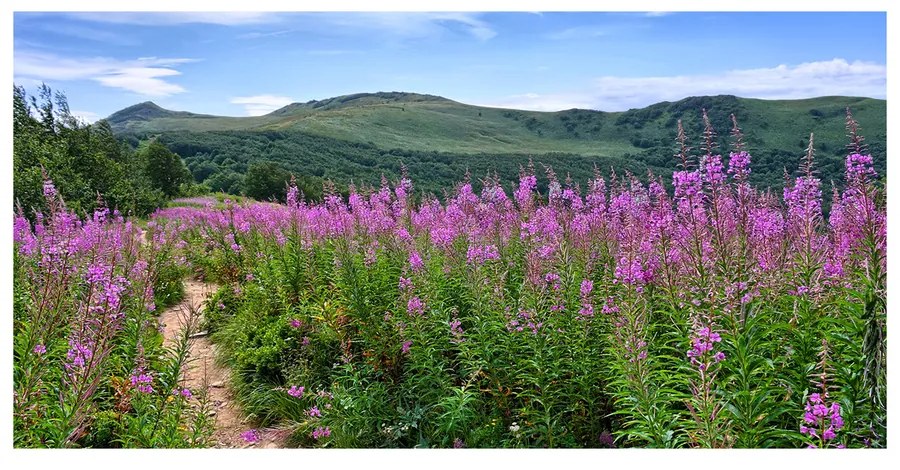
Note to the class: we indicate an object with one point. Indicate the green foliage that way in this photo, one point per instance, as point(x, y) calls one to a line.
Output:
point(266, 181)
point(492, 358)
point(164, 168)
point(226, 181)
point(87, 162)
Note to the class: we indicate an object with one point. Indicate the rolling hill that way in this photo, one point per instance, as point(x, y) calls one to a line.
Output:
point(358, 137)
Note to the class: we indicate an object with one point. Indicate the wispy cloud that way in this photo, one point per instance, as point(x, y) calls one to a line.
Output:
point(261, 34)
point(86, 116)
point(402, 25)
point(806, 80)
point(406, 25)
point(224, 18)
point(579, 32)
point(261, 104)
point(476, 27)
point(539, 102)
point(91, 34)
point(654, 14)
point(145, 76)
point(823, 78)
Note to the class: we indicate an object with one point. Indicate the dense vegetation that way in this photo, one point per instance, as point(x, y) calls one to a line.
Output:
point(615, 309)
point(92, 167)
point(89, 365)
point(359, 138)
point(719, 315)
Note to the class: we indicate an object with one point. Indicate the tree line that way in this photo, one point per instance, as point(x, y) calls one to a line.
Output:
point(89, 166)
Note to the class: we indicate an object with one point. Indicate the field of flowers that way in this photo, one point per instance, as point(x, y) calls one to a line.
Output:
point(615, 315)
point(89, 367)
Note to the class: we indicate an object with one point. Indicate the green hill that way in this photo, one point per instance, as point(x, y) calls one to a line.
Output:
point(358, 137)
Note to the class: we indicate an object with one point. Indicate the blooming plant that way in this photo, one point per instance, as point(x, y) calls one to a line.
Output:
point(821, 422)
point(86, 294)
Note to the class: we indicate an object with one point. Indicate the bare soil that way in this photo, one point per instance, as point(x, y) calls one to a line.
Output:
point(202, 372)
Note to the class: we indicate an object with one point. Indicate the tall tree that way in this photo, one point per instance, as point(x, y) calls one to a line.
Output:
point(165, 169)
point(266, 180)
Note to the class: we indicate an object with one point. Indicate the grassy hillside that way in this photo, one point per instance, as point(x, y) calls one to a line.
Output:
point(359, 137)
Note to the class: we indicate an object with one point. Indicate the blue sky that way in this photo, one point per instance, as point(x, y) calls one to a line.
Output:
point(251, 63)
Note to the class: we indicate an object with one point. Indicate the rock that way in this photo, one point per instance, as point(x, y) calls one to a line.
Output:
point(218, 384)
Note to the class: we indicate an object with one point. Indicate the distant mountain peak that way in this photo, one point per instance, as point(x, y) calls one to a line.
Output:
point(140, 112)
point(143, 112)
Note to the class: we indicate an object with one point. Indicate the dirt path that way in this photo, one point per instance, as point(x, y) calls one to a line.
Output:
point(203, 372)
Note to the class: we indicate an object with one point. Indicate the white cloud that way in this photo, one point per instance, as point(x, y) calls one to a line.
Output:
point(402, 25)
point(579, 32)
point(144, 76)
point(477, 28)
point(806, 80)
point(91, 34)
point(224, 18)
point(144, 80)
point(260, 34)
point(811, 79)
point(86, 116)
point(405, 25)
point(261, 104)
point(538, 102)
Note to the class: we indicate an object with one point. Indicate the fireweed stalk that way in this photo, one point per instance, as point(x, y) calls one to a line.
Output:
point(721, 205)
point(638, 386)
point(710, 429)
point(739, 170)
point(822, 421)
point(859, 231)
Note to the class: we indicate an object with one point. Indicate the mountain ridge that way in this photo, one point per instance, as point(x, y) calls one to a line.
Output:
point(369, 98)
point(413, 121)
point(361, 136)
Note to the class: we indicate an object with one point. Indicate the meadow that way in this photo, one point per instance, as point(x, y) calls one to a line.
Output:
point(617, 314)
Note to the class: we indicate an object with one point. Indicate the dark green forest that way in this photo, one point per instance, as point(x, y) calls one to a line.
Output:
point(220, 158)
